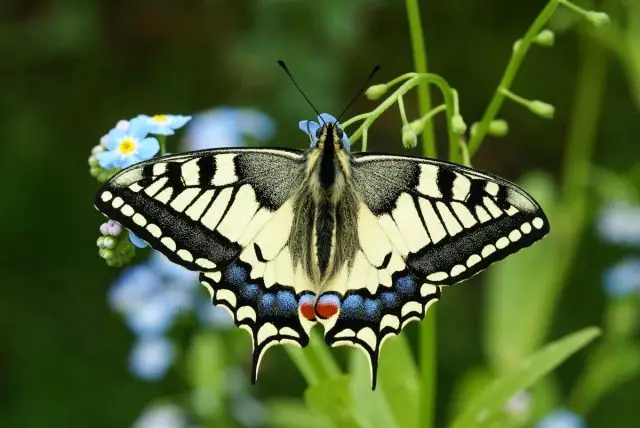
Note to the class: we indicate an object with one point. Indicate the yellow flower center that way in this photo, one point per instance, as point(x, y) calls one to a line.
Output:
point(160, 118)
point(127, 146)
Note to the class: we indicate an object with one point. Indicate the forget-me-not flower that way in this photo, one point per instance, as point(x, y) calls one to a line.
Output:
point(623, 278)
point(126, 147)
point(151, 357)
point(227, 127)
point(163, 416)
point(620, 223)
point(161, 124)
point(310, 127)
point(135, 240)
point(561, 418)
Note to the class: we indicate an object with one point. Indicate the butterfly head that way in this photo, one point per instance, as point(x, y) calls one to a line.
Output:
point(331, 133)
point(326, 129)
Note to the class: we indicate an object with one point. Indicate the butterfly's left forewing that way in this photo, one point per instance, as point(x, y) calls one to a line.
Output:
point(228, 214)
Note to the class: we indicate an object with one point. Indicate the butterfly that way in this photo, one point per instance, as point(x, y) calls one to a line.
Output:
point(361, 243)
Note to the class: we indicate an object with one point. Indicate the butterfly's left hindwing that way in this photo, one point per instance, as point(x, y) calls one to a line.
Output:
point(227, 213)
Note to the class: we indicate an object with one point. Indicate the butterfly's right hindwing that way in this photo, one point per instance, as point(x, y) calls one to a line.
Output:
point(200, 209)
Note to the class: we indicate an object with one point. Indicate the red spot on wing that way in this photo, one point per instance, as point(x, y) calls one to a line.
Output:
point(306, 308)
point(326, 309)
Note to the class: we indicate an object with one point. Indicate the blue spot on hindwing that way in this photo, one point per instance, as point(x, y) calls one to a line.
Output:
point(250, 291)
point(389, 299)
point(236, 275)
point(267, 304)
point(352, 306)
point(286, 302)
point(372, 309)
point(406, 285)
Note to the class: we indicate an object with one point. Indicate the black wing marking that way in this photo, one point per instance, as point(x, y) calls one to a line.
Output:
point(201, 208)
point(449, 222)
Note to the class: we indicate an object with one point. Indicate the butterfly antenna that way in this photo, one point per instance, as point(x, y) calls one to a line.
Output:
point(364, 87)
point(286, 70)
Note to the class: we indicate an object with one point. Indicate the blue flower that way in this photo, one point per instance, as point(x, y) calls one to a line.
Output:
point(161, 124)
point(163, 416)
point(151, 357)
point(126, 147)
point(214, 316)
point(135, 240)
point(623, 279)
point(561, 418)
point(227, 127)
point(620, 223)
point(310, 127)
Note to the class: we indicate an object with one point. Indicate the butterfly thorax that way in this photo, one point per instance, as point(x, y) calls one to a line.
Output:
point(326, 208)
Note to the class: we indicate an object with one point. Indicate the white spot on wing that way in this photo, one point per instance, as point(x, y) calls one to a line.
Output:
point(159, 168)
point(502, 242)
point(169, 243)
point(492, 207)
point(139, 220)
point(368, 336)
point(537, 223)
point(206, 264)
point(106, 196)
point(492, 188)
point(266, 331)
point(389, 321)
point(117, 202)
point(127, 210)
point(515, 235)
point(135, 187)
point(154, 230)
point(227, 296)
point(165, 195)
point(427, 289)
point(525, 228)
point(457, 270)
point(488, 250)
point(473, 260)
point(185, 255)
point(482, 214)
point(410, 307)
point(245, 312)
point(437, 276)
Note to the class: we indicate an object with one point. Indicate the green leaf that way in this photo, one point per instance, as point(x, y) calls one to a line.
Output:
point(492, 399)
point(521, 297)
point(370, 407)
point(613, 364)
point(206, 361)
point(294, 414)
point(332, 398)
point(398, 380)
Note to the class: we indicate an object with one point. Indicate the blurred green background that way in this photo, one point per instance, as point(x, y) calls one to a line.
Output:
point(70, 69)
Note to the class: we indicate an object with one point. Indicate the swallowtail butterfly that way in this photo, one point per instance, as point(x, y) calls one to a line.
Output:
point(359, 242)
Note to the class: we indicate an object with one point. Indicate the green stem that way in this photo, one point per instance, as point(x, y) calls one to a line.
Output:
point(420, 60)
point(427, 341)
point(509, 75)
point(314, 362)
point(447, 94)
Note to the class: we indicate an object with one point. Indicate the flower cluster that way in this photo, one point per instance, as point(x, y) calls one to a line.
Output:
point(619, 223)
point(310, 127)
point(152, 297)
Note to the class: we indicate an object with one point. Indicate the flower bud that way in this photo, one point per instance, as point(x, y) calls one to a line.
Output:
point(599, 19)
point(409, 138)
point(542, 109)
point(545, 38)
point(93, 161)
point(376, 91)
point(458, 125)
point(498, 128)
point(516, 45)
